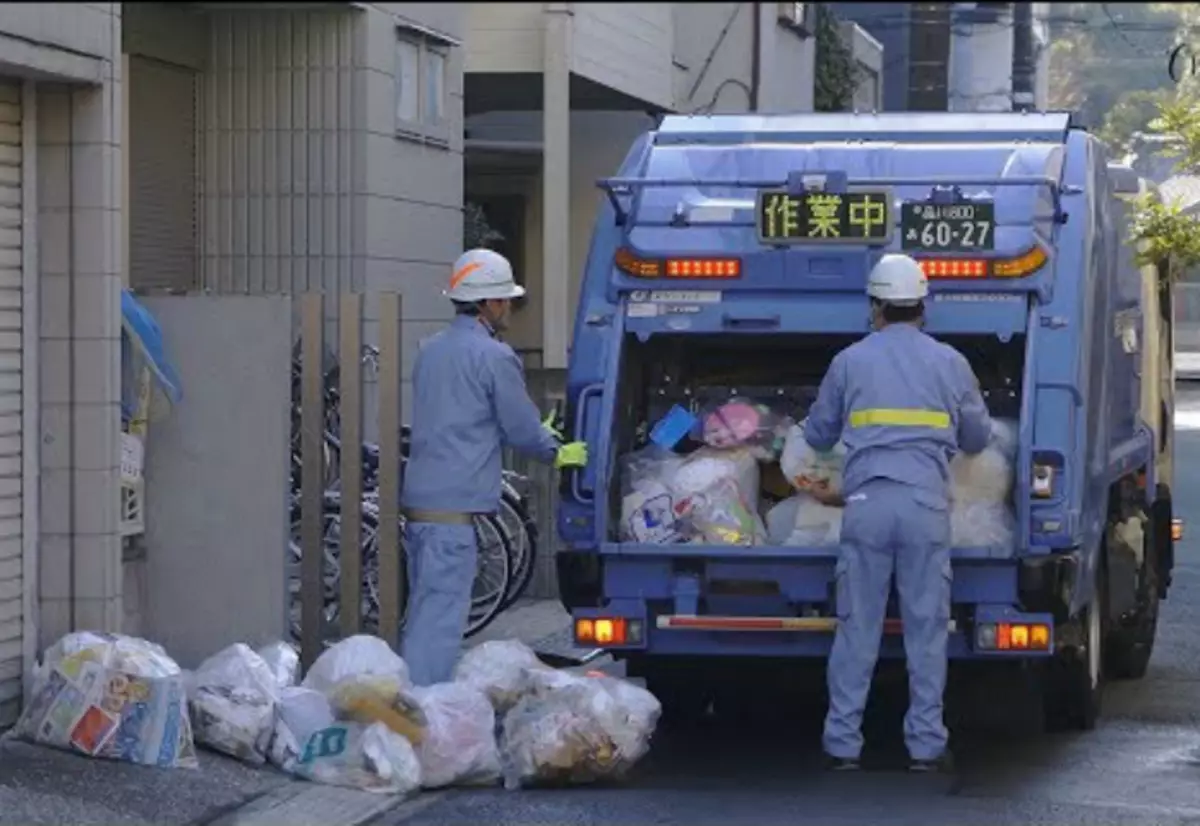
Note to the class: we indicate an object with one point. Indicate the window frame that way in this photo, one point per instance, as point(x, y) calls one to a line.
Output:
point(435, 132)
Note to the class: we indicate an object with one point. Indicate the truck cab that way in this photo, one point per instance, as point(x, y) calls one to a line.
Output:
point(730, 261)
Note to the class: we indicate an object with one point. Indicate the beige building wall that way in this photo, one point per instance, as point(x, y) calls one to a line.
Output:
point(63, 58)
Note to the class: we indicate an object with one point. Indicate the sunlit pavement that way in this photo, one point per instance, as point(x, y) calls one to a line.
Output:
point(1141, 765)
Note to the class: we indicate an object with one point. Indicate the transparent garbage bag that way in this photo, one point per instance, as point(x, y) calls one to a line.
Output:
point(781, 520)
point(717, 492)
point(372, 758)
point(370, 699)
point(501, 669)
point(110, 696)
point(232, 699)
point(360, 655)
point(816, 525)
point(284, 661)
point(648, 512)
point(580, 730)
point(300, 713)
point(987, 476)
point(741, 422)
point(804, 466)
point(990, 525)
point(459, 748)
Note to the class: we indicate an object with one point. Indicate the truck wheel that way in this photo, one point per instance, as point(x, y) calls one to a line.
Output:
point(684, 698)
point(1075, 677)
point(1130, 644)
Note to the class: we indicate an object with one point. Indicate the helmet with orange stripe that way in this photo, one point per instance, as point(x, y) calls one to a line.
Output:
point(480, 275)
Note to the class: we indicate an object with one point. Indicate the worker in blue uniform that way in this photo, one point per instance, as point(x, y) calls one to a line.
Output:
point(903, 404)
point(469, 401)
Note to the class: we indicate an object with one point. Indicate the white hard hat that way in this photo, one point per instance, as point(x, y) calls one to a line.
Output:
point(897, 279)
point(481, 274)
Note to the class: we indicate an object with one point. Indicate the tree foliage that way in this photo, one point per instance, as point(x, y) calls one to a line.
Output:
point(1132, 113)
point(1169, 234)
point(836, 70)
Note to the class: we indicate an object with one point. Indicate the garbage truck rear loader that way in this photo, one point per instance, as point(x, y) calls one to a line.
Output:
point(729, 262)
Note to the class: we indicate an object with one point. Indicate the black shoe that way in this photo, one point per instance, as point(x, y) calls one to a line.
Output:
point(842, 764)
point(939, 765)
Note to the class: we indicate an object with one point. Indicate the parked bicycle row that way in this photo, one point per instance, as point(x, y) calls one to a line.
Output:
point(507, 540)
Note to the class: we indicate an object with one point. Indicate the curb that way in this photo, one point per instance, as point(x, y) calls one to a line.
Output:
point(307, 804)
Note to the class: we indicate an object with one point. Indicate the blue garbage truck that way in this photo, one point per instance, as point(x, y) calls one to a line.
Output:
point(729, 260)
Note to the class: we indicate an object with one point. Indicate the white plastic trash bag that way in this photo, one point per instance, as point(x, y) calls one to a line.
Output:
point(111, 696)
point(379, 699)
point(459, 748)
point(816, 525)
point(986, 476)
point(501, 670)
point(990, 525)
point(358, 656)
point(371, 758)
point(299, 714)
point(284, 661)
point(803, 466)
point(648, 507)
point(781, 520)
point(587, 729)
point(232, 700)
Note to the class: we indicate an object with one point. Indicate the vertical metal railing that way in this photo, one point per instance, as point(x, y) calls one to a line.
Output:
point(313, 493)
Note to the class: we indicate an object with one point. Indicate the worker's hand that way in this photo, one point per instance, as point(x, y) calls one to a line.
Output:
point(552, 425)
point(572, 454)
point(823, 493)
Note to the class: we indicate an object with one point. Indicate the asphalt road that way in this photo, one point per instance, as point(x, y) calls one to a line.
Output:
point(1141, 765)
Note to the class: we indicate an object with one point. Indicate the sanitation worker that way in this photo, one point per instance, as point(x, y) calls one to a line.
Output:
point(469, 401)
point(903, 404)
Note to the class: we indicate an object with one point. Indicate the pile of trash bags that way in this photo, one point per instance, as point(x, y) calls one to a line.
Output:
point(744, 485)
point(355, 720)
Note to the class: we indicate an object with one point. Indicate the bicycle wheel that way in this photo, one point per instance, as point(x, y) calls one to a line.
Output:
point(493, 573)
point(521, 530)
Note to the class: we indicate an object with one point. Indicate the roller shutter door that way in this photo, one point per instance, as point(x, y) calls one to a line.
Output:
point(162, 175)
point(11, 580)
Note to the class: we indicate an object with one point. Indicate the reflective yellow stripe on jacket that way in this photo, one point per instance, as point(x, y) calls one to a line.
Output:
point(884, 417)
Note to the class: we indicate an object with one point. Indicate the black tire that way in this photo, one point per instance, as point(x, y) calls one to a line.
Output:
point(1073, 684)
point(684, 695)
point(519, 521)
point(1130, 642)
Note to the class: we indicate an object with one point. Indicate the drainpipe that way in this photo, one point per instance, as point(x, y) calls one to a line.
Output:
point(756, 58)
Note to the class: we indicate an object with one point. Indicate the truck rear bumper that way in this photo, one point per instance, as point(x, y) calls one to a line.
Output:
point(733, 604)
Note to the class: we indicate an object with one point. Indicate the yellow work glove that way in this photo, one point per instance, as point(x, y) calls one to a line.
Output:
point(550, 425)
point(572, 454)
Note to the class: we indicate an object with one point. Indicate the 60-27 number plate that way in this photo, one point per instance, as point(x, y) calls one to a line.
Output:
point(957, 227)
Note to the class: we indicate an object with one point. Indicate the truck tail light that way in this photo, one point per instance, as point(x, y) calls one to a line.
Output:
point(601, 631)
point(1016, 636)
point(693, 267)
point(1027, 263)
point(1176, 530)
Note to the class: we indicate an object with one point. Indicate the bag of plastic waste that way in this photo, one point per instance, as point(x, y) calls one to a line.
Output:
point(804, 466)
point(717, 492)
point(781, 520)
point(501, 669)
point(300, 713)
point(379, 699)
point(578, 731)
point(284, 661)
point(990, 525)
point(648, 513)
point(987, 476)
point(372, 758)
point(358, 656)
point(232, 701)
point(110, 696)
point(741, 422)
point(459, 747)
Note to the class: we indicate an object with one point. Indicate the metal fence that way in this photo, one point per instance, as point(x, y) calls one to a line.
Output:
point(313, 504)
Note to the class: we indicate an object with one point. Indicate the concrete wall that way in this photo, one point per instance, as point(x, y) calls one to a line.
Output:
point(980, 71)
point(504, 37)
point(71, 49)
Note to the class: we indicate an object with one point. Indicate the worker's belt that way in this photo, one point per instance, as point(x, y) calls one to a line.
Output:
point(883, 417)
point(439, 517)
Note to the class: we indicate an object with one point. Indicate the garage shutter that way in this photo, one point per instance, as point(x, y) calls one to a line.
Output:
point(11, 590)
point(162, 175)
